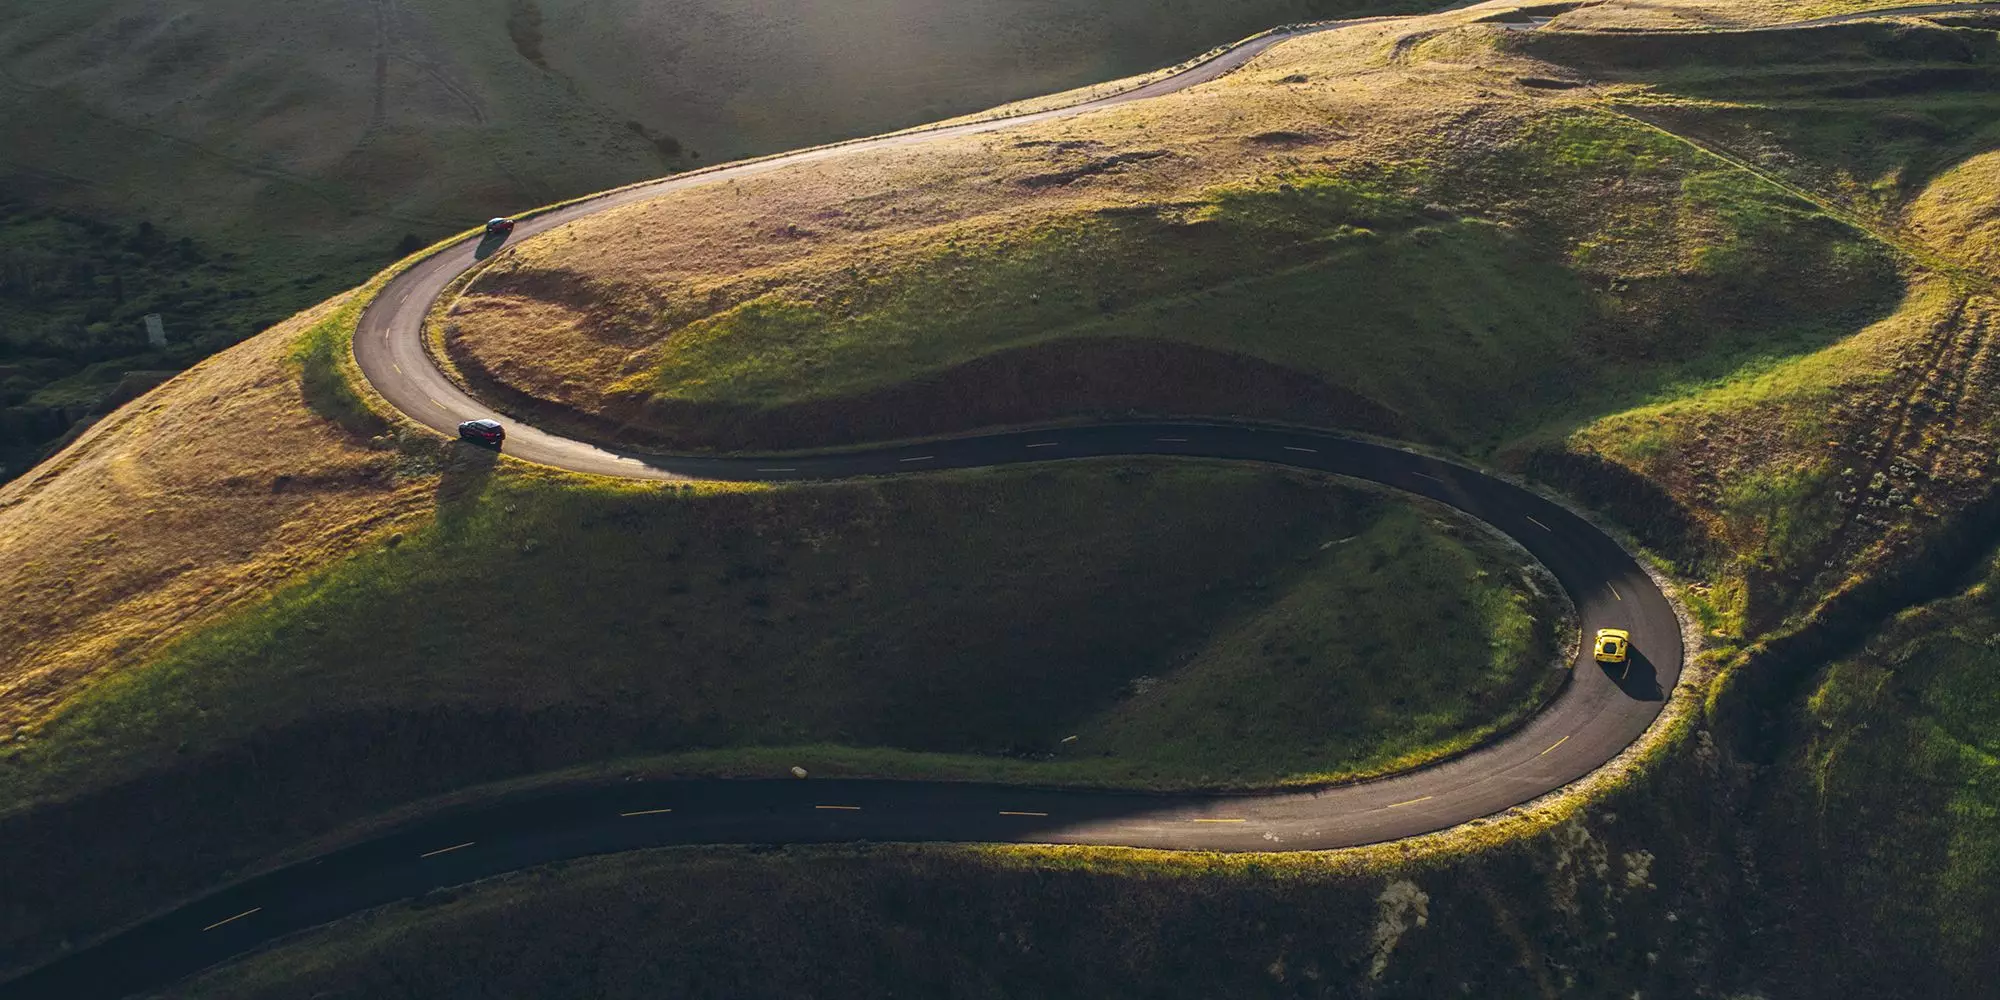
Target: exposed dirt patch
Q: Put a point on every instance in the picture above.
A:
(1090, 168)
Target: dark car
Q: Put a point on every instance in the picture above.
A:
(499, 227)
(483, 432)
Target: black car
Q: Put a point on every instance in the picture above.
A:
(483, 432)
(499, 227)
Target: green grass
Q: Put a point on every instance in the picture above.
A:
(1254, 627)
(1867, 114)
(1472, 326)
(842, 615)
(324, 355)
(1902, 779)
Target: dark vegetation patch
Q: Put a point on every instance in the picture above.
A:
(1283, 137)
(1712, 51)
(524, 27)
(1089, 168)
(1547, 83)
(73, 294)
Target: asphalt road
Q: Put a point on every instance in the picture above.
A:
(1597, 715)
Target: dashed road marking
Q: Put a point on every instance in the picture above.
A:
(1293, 447)
(1045, 444)
(1017, 812)
(1206, 819)
(1614, 590)
(1428, 476)
(646, 812)
(919, 458)
(231, 920)
(1172, 440)
(1552, 746)
(841, 808)
(399, 368)
(439, 405)
(1540, 525)
(777, 470)
(1396, 805)
(448, 850)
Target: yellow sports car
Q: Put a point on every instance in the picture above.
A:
(1612, 646)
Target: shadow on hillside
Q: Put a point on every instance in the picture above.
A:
(467, 468)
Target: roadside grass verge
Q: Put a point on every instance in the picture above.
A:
(324, 356)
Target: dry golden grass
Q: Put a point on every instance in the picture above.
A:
(567, 317)
(1959, 213)
(194, 498)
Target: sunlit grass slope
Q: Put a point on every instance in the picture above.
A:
(1305, 240)
(1813, 474)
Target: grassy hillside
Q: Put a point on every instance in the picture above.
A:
(926, 626)
(1660, 292)
(830, 614)
(1826, 829)
(1420, 268)
(280, 152)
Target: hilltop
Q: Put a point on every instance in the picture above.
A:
(229, 164)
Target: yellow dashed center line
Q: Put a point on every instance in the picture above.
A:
(1045, 444)
(647, 812)
(231, 920)
(1396, 805)
(1426, 475)
(843, 808)
(1015, 812)
(448, 850)
(439, 405)
(1539, 524)
(1552, 746)
(1172, 440)
(1614, 590)
(399, 368)
(1310, 451)
(919, 458)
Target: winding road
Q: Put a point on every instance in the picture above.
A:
(1598, 713)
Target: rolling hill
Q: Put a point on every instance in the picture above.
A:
(1731, 291)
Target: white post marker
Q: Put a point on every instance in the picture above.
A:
(156, 330)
